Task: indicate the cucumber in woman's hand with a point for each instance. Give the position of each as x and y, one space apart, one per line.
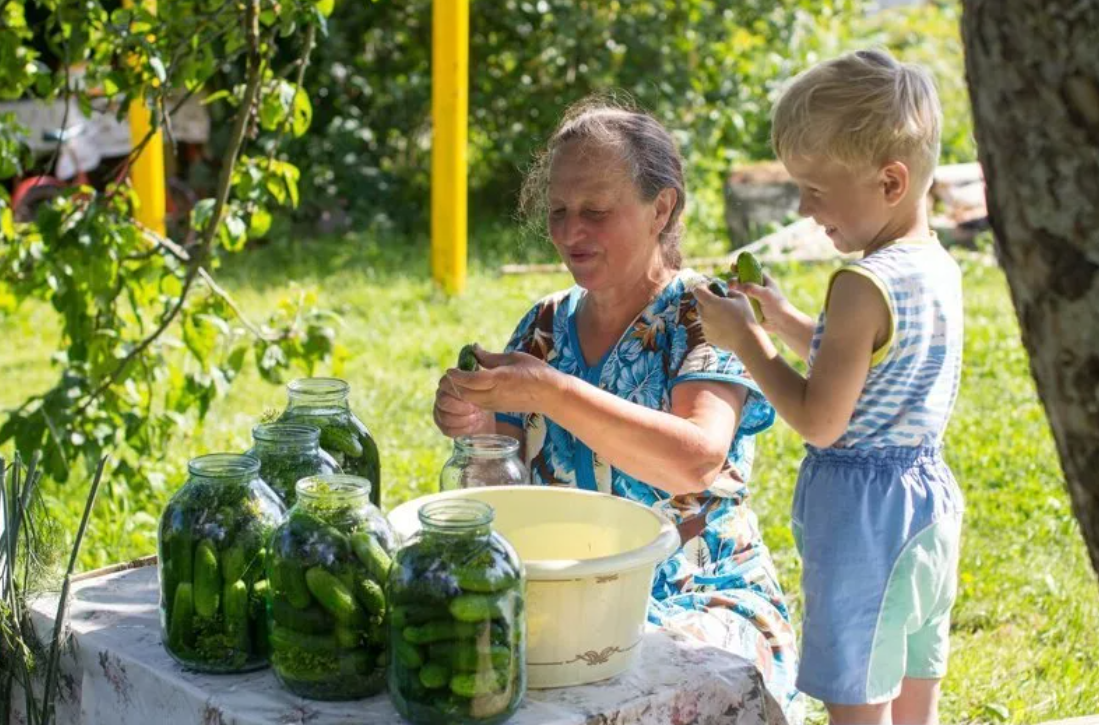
467 360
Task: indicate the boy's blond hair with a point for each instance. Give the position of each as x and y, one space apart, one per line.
862 108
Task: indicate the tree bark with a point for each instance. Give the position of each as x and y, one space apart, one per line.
1033 73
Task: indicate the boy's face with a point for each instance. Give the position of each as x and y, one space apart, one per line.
853 205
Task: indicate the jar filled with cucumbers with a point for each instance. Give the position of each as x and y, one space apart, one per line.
327 569
323 402
457 628
211 563
288 453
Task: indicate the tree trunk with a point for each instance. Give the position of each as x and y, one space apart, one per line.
1033 74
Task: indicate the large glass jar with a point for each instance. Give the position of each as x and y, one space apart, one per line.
287 453
327 568
483 460
211 551
457 629
323 402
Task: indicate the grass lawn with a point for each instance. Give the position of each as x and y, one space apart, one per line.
1026 627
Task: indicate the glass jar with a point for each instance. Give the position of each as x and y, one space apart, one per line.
457 629
327 567
323 402
483 460
287 453
211 552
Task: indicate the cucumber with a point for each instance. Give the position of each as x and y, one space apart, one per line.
234 561
283 639
257 604
478 607
467 359
438 631
484 580
343 441
403 615
311 620
476 685
181 554
348 638
181 627
434 675
468 657
370 595
288 580
407 654
716 288
234 607
749 271
373 556
207 580
334 596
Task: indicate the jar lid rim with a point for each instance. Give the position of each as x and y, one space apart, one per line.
340 486
286 432
456 514
215 465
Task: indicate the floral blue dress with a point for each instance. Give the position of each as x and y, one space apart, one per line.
721 586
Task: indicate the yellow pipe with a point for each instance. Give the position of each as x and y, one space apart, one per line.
147 170
449 108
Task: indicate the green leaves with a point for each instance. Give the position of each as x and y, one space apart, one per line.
284 104
149 338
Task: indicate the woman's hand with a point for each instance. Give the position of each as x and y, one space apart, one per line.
513 382
456 417
725 321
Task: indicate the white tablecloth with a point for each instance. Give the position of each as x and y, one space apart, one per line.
117 673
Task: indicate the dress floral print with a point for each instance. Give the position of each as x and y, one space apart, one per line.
721 586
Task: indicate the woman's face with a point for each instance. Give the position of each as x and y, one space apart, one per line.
604 231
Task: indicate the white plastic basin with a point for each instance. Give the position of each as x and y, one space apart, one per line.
589 559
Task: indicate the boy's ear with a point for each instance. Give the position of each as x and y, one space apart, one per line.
894 179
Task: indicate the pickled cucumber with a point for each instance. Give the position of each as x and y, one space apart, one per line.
438 631
181 631
371 553
207 591
334 596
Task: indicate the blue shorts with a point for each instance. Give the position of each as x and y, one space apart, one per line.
878 531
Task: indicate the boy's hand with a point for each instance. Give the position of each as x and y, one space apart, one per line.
725 321
776 308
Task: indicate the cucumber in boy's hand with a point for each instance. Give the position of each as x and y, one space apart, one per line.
749 271
467 360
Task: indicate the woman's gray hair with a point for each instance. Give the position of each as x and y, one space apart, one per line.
644 144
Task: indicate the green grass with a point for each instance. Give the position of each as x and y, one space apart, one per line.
1026 627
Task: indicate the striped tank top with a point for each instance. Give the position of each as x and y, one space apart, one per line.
913 380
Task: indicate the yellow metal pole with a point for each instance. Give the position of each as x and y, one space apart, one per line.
449 108
147 170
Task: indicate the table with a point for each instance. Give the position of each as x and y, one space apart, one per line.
117 673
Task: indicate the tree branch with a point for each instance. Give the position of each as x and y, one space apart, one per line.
236 140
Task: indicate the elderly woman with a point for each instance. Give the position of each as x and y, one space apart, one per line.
611 386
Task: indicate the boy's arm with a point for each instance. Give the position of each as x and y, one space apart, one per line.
820 406
795 328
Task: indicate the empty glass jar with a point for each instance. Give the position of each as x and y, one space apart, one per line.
484 460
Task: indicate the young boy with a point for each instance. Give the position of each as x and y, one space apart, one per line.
877 513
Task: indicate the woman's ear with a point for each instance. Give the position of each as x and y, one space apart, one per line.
663 205
895 180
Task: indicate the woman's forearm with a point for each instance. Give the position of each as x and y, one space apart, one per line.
661 449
